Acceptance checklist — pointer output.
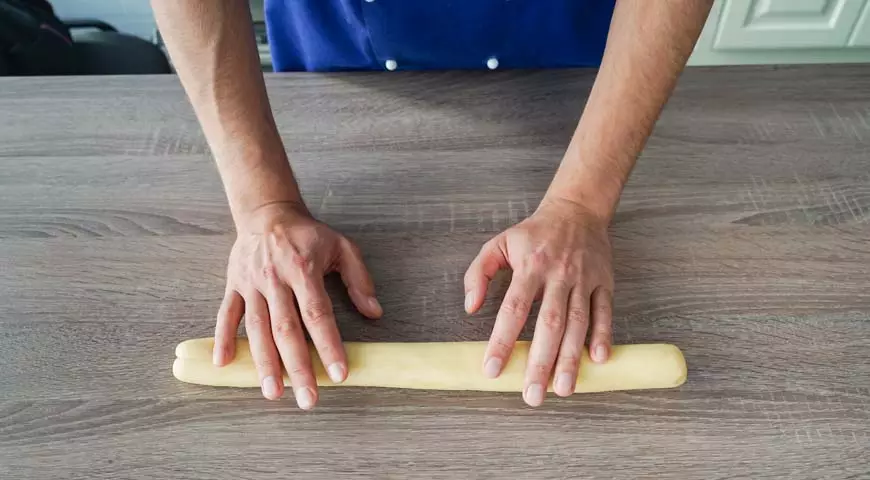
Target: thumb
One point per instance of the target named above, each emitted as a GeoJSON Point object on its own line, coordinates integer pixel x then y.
{"type": "Point", "coordinates": [359, 283]}
{"type": "Point", "coordinates": [483, 268]}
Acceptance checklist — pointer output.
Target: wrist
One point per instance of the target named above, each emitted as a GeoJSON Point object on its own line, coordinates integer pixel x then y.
{"type": "Point", "coordinates": [256, 182]}
{"type": "Point", "coordinates": [595, 193]}
{"type": "Point", "coordinates": [266, 216]}
{"type": "Point", "coordinates": [574, 206]}
{"type": "Point", "coordinates": [252, 201]}
{"type": "Point", "coordinates": [592, 176]}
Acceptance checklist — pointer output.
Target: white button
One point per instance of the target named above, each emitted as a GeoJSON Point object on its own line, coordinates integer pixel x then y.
{"type": "Point", "coordinates": [391, 65]}
{"type": "Point", "coordinates": [492, 63]}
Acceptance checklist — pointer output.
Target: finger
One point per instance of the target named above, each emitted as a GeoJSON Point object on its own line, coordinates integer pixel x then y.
{"type": "Point", "coordinates": [317, 315]}
{"type": "Point", "coordinates": [290, 341]}
{"type": "Point", "coordinates": [602, 324]}
{"type": "Point", "coordinates": [263, 346]}
{"type": "Point", "coordinates": [228, 319]}
{"type": "Point", "coordinates": [571, 350]}
{"type": "Point", "coordinates": [483, 268]}
{"type": "Point", "coordinates": [509, 322]}
{"type": "Point", "coordinates": [545, 344]}
{"type": "Point", "coordinates": [359, 283]}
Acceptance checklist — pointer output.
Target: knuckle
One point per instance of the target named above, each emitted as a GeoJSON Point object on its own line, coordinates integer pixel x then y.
{"type": "Point", "coordinates": [603, 329]}
{"type": "Point", "coordinates": [490, 248]}
{"type": "Point", "coordinates": [516, 306]}
{"type": "Point", "coordinates": [536, 261]}
{"type": "Point", "coordinates": [500, 346]}
{"type": "Point", "coordinates": [604, 310]}
{"type": "Point", "coordinates": [316, 312]}
{"type": "Point", "coordinates": [269, 272]}
{"type": "Point", "coordinates": [303, 262]}
{"type": "Point", "coordinates": [569, 361]}
{"type": "Point", "coordinates": [539, 370]}
{"type": "Point", "coordinates": [276, 236]}
{"type": "Point", "coordinates": [550, 319]}
{"type": "Point", "coordinates": [582, 293]}
{"type": "Point", "coordinates": [298, 370]}
{"type": "Point", "coordinates": [285, 328]}
{"type": "Point", "coordinates": [601, 275]}
{"type": "Point", "coordinates": [327, 352]}
{"type": "Point", "coordinates": [562, 272]}
{"type": "Point", "coordinates": [266, 367]}
{"type": "Point", "coordinates": [254, 321]}
{"type": "Point", "coordinates": [242, 276]}
{"type": "Point", "coordinates": [578, 315]}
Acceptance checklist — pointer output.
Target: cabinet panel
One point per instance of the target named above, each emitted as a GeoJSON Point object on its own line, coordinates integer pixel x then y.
{"type": "Point", "coordinates": [861, 34]}
{"type": "Point", "coordinates": [787, 24]}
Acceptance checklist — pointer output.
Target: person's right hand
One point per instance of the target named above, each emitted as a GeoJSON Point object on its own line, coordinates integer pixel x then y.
{"type": "Point", "coordinates": [277, 264]}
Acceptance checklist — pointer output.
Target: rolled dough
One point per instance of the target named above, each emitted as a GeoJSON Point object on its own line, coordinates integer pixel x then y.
{"type": "Point", "coordinates": [441, 366]}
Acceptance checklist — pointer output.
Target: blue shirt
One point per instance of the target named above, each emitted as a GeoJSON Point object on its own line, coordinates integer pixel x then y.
{"type": "Point", "coordinates": [329, 35]}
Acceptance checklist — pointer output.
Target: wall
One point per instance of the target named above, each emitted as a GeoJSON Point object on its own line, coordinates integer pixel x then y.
{"type": "Point", "coordinates": [737, 32]}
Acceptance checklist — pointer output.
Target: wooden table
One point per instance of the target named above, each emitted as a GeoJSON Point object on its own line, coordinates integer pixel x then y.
{"type": "Point", "coordinates": [742, 237]}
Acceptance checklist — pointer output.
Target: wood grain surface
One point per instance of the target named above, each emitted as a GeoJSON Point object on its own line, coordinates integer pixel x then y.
{"type": "Point", "coordinates": [742, 237]}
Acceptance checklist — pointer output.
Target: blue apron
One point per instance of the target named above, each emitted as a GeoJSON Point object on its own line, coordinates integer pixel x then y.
{"type": "Point", "coordinates": [328, 35]}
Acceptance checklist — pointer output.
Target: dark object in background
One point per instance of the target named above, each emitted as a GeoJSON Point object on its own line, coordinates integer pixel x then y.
{"type": "Point", "coordinates": [33, 41]}
{"type": "Point", "coordinates": [101, 50]}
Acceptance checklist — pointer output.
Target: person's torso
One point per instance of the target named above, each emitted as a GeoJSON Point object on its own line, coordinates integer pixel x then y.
{"type": "Point", "coordinates": [319, 35]}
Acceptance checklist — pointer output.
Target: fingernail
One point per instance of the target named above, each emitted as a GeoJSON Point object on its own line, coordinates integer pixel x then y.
{"type": "Point", "coordinates": [336, 372]}
{"type": "Point", "coordinates": [563, 382]}
{"type": "Point", "coordinates": [492, 367]}
{"type": "Point", "coordinates": [270, 388]}
{"type": "Point", "coordinates": [469, 301]}
{"type": "Point", "coordinates": [600, 353]}
{"type": "Point", "coordinates": [304, 398]}
{"type": "Point", "coordinates": [534, 394]}
{"type": "Point", "coordinates": [374, 304]}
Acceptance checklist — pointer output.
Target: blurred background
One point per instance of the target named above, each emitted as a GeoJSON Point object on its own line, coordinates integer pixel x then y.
{"type": "Point", "coordinates": [120, 36]}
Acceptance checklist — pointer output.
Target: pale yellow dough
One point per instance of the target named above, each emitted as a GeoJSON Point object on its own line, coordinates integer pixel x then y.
{"type": "Point", "coordinates": [442, 366]}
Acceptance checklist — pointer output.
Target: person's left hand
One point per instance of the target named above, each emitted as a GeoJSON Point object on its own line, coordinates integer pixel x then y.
{"type": "Point", "coordinates": [562, 253]}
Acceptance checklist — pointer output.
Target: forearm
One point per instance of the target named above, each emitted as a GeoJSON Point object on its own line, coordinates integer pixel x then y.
{"type": "Point", "coordinates": [647, 48]}
{"type": "Point", "coordinates": [213, 49]}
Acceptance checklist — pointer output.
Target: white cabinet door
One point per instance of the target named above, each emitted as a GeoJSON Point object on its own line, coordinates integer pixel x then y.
{"type": "Point", "coordinates": [861, 36]}
{"type": "Point", "coordinates": [785, 31]}
{"type": "Point", "coordinates": [774, 24]}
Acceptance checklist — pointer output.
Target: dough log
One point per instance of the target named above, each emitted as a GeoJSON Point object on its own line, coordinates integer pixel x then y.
{"type": "Point", "coordinates": [441, 366]}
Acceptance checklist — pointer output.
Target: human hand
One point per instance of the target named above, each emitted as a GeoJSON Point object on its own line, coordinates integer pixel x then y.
{"type": "Point", "coordinates": [562, 252]}
{"type": "Point", "coordinates": [278, 261]}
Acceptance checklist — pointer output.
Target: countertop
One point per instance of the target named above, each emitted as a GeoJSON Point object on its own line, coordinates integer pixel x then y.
{"type": "Point", "coordinates": [742, 237]}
